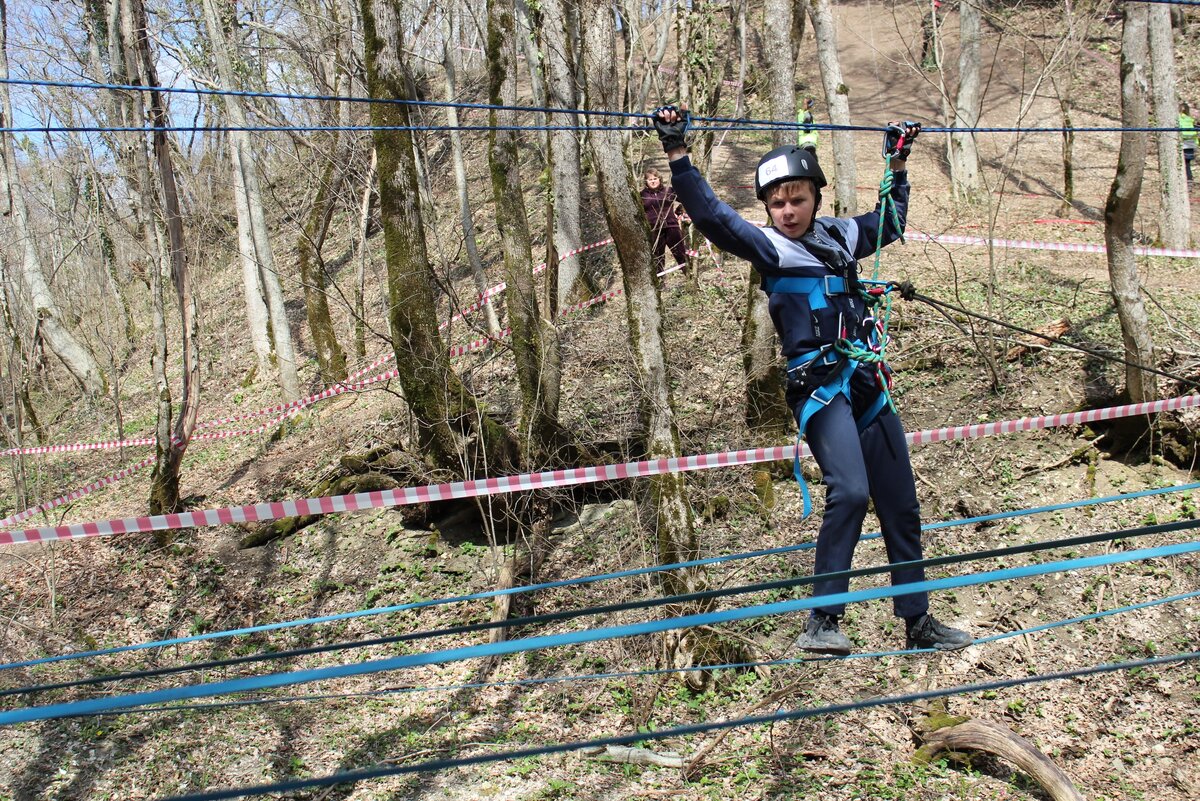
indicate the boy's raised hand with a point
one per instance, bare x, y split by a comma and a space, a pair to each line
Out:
898, 139
671, 124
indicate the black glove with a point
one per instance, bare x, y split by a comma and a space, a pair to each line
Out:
673, 135
897, 133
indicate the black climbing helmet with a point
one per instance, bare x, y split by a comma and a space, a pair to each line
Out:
784, 164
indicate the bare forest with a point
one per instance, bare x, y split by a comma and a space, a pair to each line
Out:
363, 442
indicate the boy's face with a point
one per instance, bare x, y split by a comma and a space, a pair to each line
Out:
792, 206
653, 181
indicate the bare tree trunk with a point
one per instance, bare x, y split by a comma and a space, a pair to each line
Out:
331, 359
1068, 149
452, 430
534, 339
19, 373
172, 441
360, 281
741, 13
258, 319
1120, 211
460, 182
781, 71
683, 35
675, 533
252, 222
666, 17
963, 155
525, 33
75, 357
703, 71
767, 412
799, 18
1174, 213
560, 20
824, 30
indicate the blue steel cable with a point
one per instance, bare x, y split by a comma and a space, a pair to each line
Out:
639, 674
607, 609
732, 122
747, 126
579, 581
248, 683
390, 101
353, 776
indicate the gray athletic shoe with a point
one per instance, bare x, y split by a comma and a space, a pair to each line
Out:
822, 636
927, 632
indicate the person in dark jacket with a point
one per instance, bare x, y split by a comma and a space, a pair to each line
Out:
659, 201
809, 268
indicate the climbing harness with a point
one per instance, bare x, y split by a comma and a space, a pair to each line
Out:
844, 355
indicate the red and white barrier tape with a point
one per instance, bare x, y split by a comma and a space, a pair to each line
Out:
77, 494
1022, 244
333, 391
917, 236
101, 483
300, 403
529, 481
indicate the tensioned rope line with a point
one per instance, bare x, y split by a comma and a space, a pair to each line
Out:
568, 614
746, 123
580, 581
730, 123
578, 637
748, 126
649, 673
908, 292
605, 609
431, 766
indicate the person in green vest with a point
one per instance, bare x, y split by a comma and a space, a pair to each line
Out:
1187, 135
808, 135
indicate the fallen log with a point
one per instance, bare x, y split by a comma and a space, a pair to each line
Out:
993, 738
634, 756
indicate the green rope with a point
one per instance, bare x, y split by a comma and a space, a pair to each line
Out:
855, 350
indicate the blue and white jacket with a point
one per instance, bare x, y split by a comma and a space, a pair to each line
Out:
832, 248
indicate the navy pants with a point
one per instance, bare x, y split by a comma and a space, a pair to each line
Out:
669, 237
856, 467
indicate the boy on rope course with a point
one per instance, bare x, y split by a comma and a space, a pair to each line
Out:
836, 380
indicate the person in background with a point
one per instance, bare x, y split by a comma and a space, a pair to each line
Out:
659, 201
1187, 136
809, 269
809, 136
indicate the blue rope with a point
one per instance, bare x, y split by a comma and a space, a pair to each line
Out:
738, 126
502, 648
637, 674
615, 608
678, 731
738, 121
633, 572
734, 123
